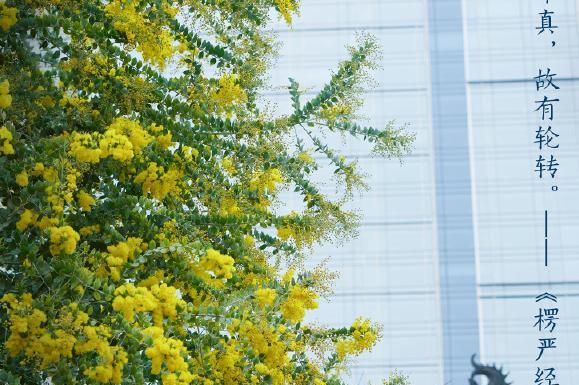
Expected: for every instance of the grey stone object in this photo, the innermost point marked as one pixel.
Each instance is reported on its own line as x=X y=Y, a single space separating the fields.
x=494 y=375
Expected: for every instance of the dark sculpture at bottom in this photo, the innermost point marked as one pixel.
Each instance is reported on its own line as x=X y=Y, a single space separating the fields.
x=495 y=376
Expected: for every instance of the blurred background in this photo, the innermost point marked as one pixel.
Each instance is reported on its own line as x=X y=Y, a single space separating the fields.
x=450 y=254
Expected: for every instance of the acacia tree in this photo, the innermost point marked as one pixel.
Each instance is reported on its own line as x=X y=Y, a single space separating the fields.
x=139 y=179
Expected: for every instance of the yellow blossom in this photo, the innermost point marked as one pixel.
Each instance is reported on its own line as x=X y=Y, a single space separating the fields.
x=22 y=179
x=136 y=134
x=117 y=145
x=299 y=300
x=363 y=337
x=27 y=218
x=229 y=92
x=7 y=16
x=46 y=223
x=28 y=334
x=4 y=87
x=85 y=200
x=261 y=368
x=219 y=265
x=50 y=174
x=155 y=181
x=189 y=153
x=228 y=166
x=5 y=97
x=46 y=101
x=168 y=351
x=286 y=8
x=63 y=239
x=161 y=301
x=6 y=138
x=88 y=230
x=284 y=232
x=266 y=181
x=155 y=43
x=121 y=253
x=84 y=148
x=38 y=169
x=248 y=241
x=299 y=234
x=305 y=157
x=112 y=358
x=265 y=296
x=130 y=299
x=154 y=279
x=229 y=207
x=165 y=140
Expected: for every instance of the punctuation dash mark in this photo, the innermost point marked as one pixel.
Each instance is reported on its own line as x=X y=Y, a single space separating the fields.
x=546 y=238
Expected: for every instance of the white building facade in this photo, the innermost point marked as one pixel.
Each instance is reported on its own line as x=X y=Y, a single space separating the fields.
x=450 y=253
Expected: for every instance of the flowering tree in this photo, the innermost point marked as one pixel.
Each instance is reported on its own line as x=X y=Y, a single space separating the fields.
x=139 y=179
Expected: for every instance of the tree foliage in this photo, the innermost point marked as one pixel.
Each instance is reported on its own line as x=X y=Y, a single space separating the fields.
x=139 y=182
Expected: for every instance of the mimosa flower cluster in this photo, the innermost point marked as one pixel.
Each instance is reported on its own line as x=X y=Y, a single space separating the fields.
x=144 y=239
